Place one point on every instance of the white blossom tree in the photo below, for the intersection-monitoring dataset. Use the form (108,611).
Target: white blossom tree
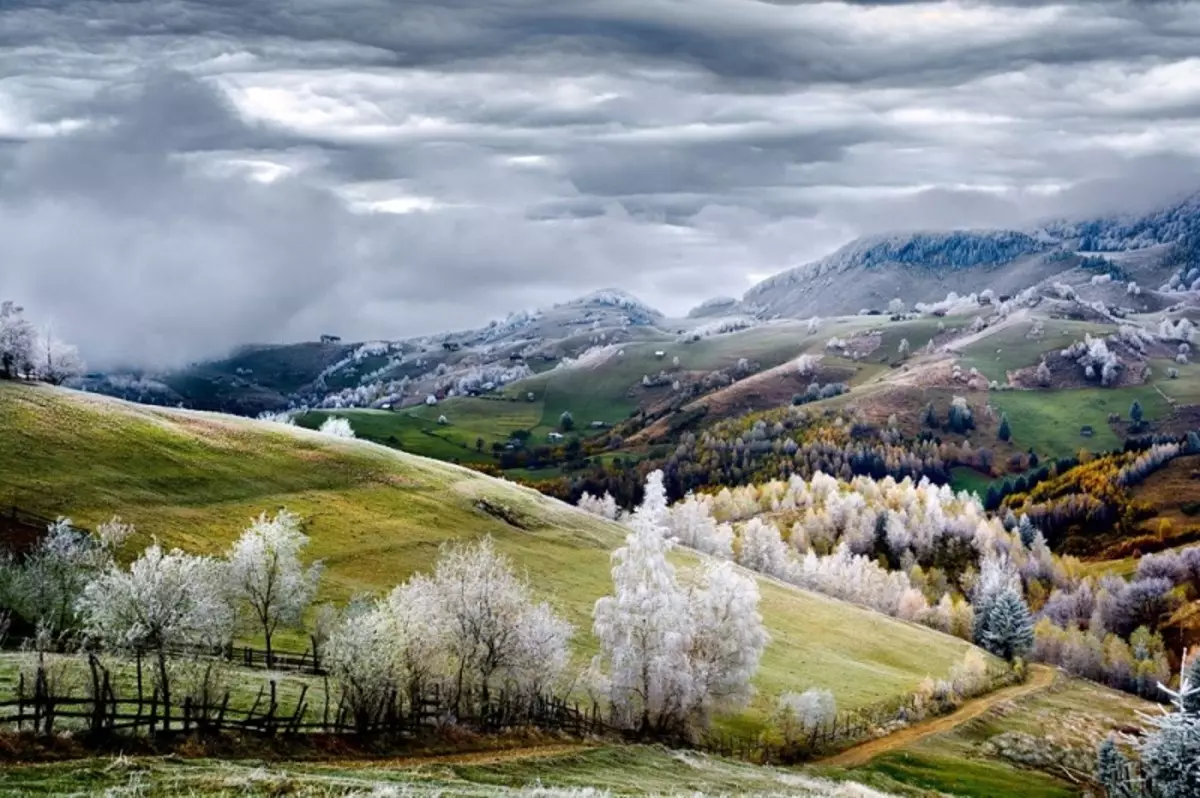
(17,341)
(671,656)
(361,657)
(496,634)
(45,588)
(337,427)
(728,639)
(163,601)
(268,583)
(55,361)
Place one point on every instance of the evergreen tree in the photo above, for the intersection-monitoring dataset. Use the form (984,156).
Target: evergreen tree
(1191,673)
(1171,753)
(1007,628)
(1027,531)
(929,416)
(1005,433)
(566,421)
(1112,771)
(1135,413)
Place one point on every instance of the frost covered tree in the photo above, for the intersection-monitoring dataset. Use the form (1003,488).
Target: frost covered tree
(801,715)
(337,427)
(761,548)
(361,657)
(960,418)
(45,588)
(56,361)
(1113,771)
(643,628)
(17,341)
(903,348)
(163,601)
(605,507)
(1007,626)
(496,633)
(691,522)
(1043,374)
(728,639)
(670,656)
(268,583)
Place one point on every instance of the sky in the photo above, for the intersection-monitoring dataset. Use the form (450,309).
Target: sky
(178,177)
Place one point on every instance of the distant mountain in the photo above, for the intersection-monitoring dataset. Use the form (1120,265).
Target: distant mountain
(256,379)
(925,266)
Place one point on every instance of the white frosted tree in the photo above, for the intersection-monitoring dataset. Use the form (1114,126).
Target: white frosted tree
(728,639)
(163,601)
(644,628)
(361,655)
(605,507)
(17,341)
(671,656)
(337,427)
(1170,752)
(1007,625)
(496,634)
(761,548)
(691,522)
(904,348)
(55,361)
(46,587)
(268,583)
(800,715)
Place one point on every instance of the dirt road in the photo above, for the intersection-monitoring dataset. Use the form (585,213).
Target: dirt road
(1040,678)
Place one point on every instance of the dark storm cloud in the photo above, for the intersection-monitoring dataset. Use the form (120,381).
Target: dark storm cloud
(181,176)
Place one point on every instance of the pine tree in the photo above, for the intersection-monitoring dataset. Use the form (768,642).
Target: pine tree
(1005,433)
(1027,531)
(1135,413)
(1112,770)
(1171,753)
(929,416)
(1007,628)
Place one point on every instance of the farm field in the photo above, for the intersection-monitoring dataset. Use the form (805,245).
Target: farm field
(375,516)
(1011,348)
(1050,421)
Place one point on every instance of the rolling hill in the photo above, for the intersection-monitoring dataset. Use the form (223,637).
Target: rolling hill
(376,515)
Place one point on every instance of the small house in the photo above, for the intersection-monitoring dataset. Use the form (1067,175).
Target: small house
(330,339)
(555,437)
(660,354)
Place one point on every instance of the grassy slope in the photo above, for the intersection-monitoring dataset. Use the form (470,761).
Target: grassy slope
(1009,349)
(621,770)
(1049,421)
(376,516)
(1074,714)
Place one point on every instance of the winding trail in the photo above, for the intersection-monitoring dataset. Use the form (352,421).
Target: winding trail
(1040,679)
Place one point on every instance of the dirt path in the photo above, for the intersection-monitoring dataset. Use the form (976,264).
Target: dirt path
(1041,678)
(494,756)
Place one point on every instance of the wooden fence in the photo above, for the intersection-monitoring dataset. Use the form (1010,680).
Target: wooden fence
(305,662)
(105,712)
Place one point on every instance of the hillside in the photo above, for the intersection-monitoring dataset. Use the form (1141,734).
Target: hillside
(376,515)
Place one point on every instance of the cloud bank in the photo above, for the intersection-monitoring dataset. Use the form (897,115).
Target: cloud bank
(177,178)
